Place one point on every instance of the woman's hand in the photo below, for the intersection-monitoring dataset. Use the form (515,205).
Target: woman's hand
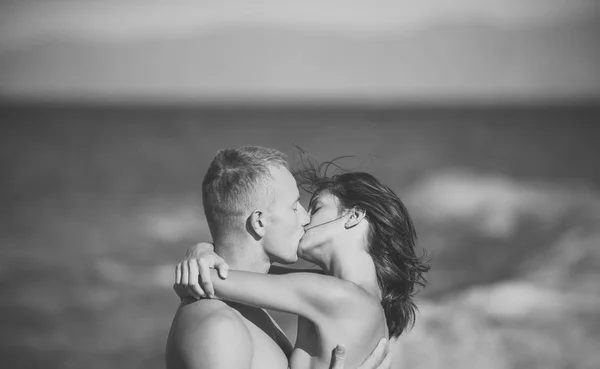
(192,274)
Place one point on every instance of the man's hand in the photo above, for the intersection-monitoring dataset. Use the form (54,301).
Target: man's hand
(380,357)
(192,274)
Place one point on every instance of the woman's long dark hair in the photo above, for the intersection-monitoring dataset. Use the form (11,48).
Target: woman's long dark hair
(391,238)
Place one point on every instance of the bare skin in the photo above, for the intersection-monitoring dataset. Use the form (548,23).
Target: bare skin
(342,307)
(205,331)
(217,334)
(331,311)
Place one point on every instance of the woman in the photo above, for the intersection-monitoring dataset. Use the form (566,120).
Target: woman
(361,236)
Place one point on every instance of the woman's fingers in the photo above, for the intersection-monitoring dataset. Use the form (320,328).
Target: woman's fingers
(177,286)
(222,268)
(185,274)
(338,356)
(192,275)
(178,273)
(205,278)
(193,287)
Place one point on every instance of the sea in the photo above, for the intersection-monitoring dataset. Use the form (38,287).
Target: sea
(99,202)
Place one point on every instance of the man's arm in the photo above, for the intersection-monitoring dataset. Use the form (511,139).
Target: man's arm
(209,344)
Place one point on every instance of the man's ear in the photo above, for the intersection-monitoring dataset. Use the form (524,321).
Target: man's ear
(356,216)
(255,224)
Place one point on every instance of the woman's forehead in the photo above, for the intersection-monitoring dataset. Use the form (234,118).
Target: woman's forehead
(323,197)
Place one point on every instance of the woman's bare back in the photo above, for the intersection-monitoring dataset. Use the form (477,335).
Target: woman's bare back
(360,334)
(333,310)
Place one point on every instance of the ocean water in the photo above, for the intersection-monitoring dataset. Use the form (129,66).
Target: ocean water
(99,202)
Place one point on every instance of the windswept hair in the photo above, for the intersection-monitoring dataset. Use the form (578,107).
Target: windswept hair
(237,180)
(391,237)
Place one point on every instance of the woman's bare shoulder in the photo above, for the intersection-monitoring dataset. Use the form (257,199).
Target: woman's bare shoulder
(340,294)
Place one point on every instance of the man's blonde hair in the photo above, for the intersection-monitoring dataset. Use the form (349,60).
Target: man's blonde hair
(236,182)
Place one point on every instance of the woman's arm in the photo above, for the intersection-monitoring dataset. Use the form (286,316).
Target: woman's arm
(308,293)
(197,263)
(313,296)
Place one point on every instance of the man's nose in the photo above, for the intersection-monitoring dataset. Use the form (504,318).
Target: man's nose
(306,219)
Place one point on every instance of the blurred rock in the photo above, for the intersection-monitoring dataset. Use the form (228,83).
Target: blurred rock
(486,228)
(494,204)
(511,325)
(572,263)
(515,274)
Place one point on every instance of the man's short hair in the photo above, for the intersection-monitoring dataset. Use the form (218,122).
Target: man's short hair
(237,181)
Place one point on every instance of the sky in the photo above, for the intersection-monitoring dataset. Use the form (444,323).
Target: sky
(465,50)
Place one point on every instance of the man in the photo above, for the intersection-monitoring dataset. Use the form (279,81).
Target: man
(253,210)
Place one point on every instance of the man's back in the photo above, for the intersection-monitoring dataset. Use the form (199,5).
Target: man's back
(212,334)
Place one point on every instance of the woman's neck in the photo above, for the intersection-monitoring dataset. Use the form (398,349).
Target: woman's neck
(357,268)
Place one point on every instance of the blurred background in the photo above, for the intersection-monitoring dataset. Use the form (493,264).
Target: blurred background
(482,115)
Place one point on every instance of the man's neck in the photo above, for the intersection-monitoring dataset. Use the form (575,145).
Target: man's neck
(243,255)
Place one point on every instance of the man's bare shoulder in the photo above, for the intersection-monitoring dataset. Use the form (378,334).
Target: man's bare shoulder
(207,311)
(200,318)
(203,335)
